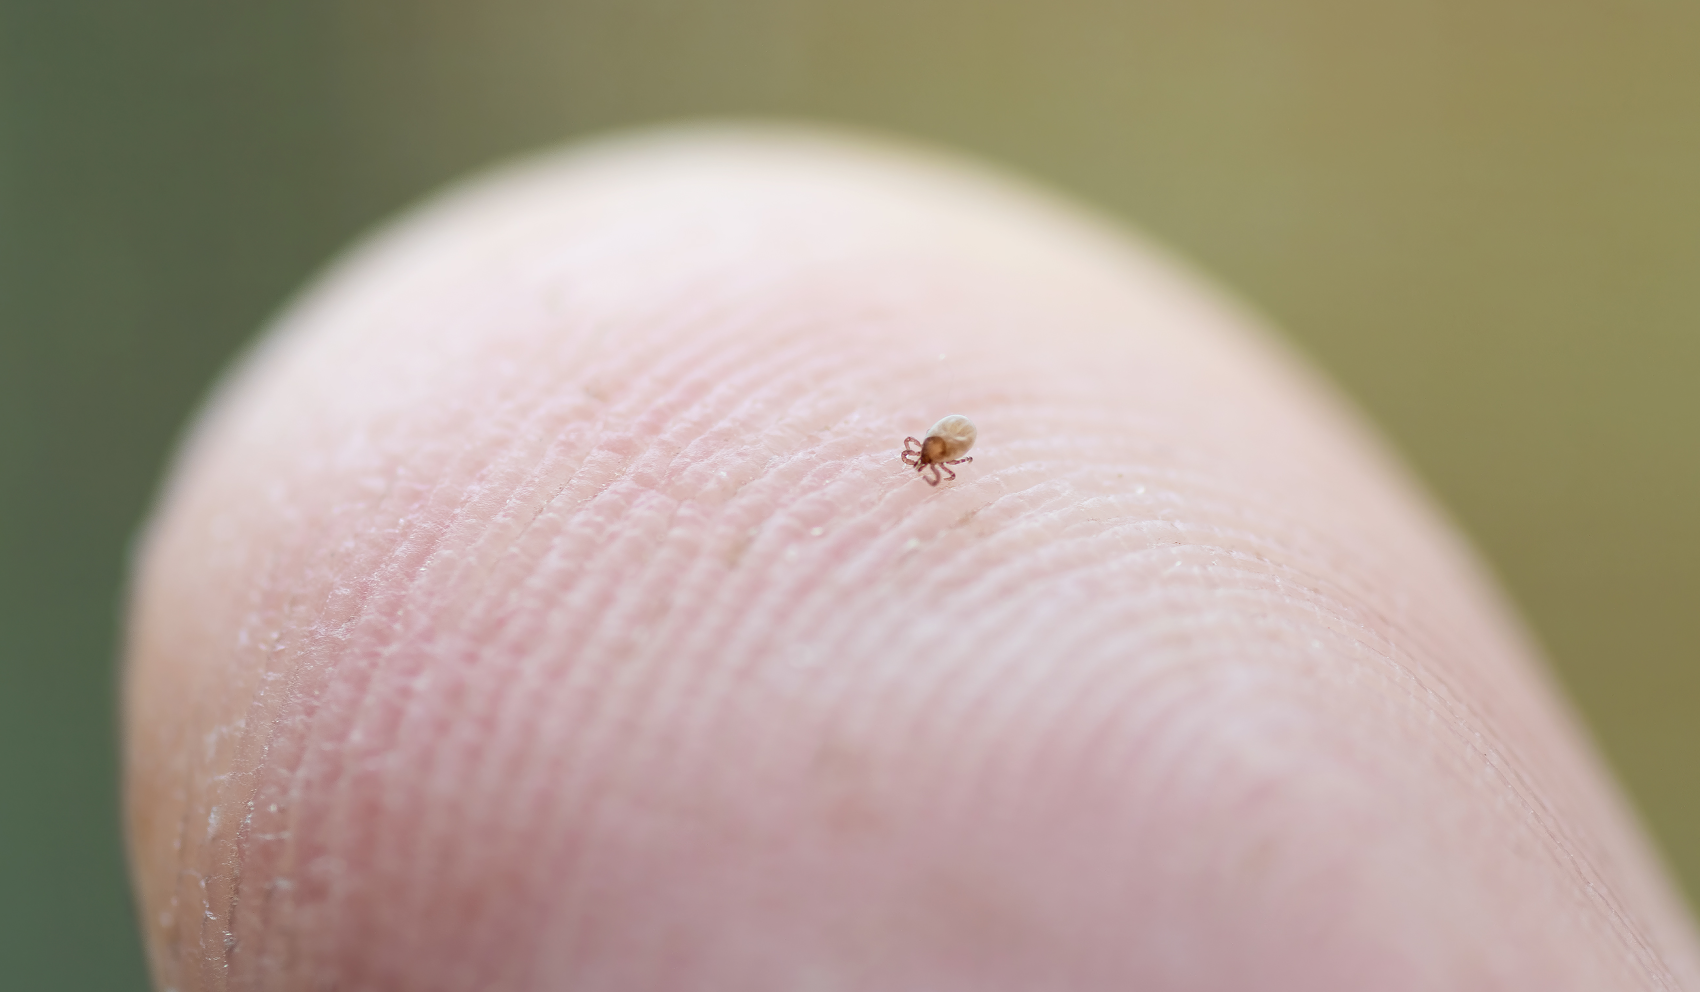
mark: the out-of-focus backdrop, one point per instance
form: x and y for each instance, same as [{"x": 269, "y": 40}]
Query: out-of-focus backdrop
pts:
[{"x": 1481, "y": 216}]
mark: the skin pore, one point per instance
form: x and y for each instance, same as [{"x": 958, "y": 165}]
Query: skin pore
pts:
[{"x": 545, "y": 604}]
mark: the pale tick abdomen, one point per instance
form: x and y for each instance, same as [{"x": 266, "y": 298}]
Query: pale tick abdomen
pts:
[{"x": 948, "y": 440}]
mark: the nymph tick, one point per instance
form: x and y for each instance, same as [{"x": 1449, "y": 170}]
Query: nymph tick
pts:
[{"x": 946, "y": 444}]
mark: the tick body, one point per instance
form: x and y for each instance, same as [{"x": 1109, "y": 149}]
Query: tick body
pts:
[{"x": 947, "y": 444}]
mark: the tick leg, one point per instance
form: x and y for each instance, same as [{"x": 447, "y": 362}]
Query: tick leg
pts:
[
  {"x": 961, "y": 461},
  {"x": 946, "y": 467},
  {"x": 907, "y": 451},
  {"x": 935, "y": 479}
]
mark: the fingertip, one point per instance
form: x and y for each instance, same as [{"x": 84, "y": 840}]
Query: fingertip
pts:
[{"x": 550, "y": 603}]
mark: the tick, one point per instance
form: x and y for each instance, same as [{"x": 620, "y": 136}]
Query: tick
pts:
[{"x": 946, "y": 444}]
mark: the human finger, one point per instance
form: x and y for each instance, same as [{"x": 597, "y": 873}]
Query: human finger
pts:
[{"x": 545, "y": 604}]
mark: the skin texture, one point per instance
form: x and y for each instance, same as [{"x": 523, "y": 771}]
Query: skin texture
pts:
[{"x": 544, "y": 605}]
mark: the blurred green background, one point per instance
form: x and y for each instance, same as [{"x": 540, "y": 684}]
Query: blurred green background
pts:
[{"x": 1482, "y": 216}]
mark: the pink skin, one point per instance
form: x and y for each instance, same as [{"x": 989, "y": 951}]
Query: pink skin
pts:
[{"x": 540, "y": 608}]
